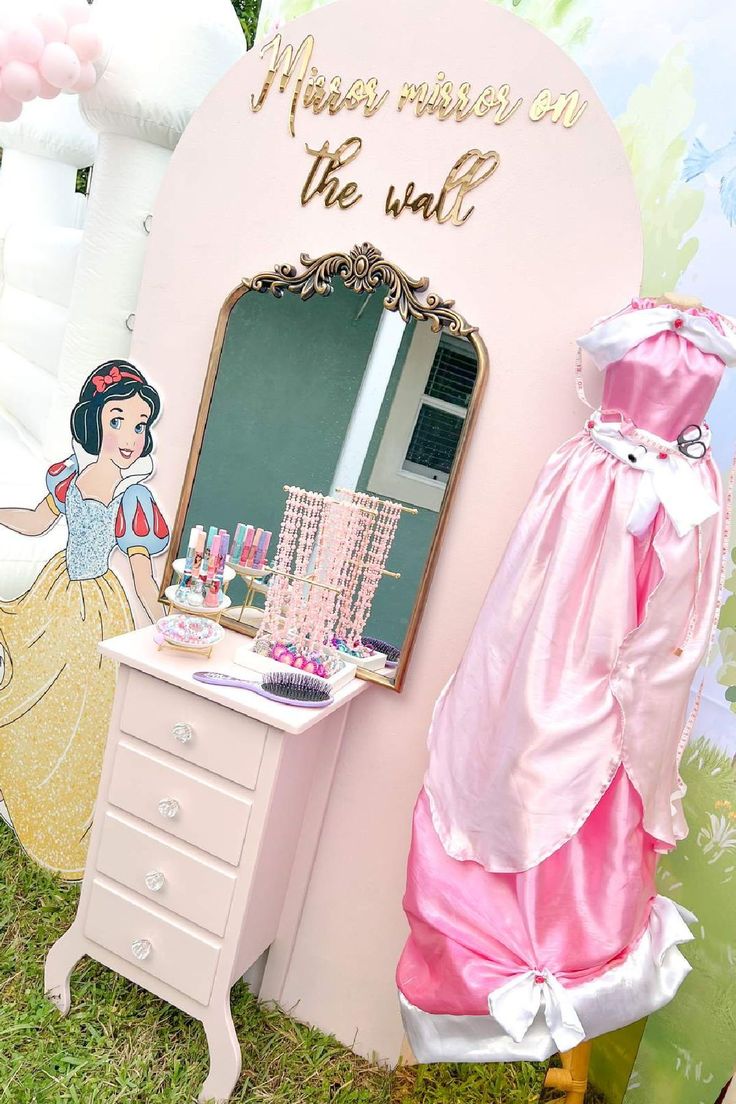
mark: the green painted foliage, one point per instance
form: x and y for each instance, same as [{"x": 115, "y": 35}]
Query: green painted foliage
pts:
[
  {"x": 686, "y": 1054},
  {"x": 727, "y": 640},
  {"x": 653, "y": 128},
  {"x": 565, "y": 21}
]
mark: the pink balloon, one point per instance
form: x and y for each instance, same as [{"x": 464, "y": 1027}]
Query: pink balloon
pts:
[
  {"x": 87, "y": 78},
  {"x": 52, "y": 26},
  {"x": 25, "y": 43},
  {"x": 60, "y": 65},
  {"x": 21, "y": 81},
  {"x": 9, "y": 109},
  {"x": 75, "y": 11},
  {"x": 85, "y": 41},
  {"x": 47, "y": 91}
]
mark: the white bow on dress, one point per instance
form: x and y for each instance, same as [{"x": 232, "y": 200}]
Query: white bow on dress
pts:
[
  {"x": 668, "y": 480},
  {"x": 516, "y": 1004}
]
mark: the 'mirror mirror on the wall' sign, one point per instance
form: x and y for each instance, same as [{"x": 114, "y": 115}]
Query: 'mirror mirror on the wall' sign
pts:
[{"x": 343, "y": 373}]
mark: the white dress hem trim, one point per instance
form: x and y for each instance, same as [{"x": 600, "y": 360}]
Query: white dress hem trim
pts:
[{"x": 645, "y": 981}]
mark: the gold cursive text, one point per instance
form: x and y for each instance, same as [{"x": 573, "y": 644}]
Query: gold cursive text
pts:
[
  {"x": 323, "y": 180},
  {"x": 442, "y": 100},
  {"x": 469, "y": 171},
  {"x": 316, "y": 92},
  {"x": 566, "y": 106}
]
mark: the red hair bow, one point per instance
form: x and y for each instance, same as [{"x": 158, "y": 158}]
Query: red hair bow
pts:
[{"x": 101, "y": 383}]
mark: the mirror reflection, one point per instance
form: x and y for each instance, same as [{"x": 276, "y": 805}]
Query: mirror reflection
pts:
[{"x": 332, "y": 393}]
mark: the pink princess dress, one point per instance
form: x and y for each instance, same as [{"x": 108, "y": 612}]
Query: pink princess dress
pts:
[{"x": 553, "y": 778}]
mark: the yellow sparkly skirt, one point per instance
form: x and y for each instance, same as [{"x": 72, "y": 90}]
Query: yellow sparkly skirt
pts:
[{"x": 56, "y": 694}]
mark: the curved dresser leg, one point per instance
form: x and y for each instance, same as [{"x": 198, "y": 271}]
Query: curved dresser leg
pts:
[
  {"x": 225, "y": 1058},
  {"x": 60, "y": 961}
]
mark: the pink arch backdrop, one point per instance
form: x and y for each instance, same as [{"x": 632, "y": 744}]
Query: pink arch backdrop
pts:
[{"x": 554, "y": 242}]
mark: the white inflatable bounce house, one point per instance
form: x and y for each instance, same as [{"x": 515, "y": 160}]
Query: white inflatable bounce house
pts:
[
  {"x": 110, "y": 87},
  {"x": 71, "y": 264}
]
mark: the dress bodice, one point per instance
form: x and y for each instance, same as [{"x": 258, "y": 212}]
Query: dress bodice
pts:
[
  {"x": 663, "y": 365},
  {"x": 91, "y": 534},
  {"x": 663, "y": 384}
]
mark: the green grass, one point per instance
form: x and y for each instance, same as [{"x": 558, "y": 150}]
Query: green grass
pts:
[{"x": 120, "y": 1045}]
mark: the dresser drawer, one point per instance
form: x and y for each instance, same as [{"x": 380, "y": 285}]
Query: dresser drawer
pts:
[
  {"x": 188, "y": 883},
  {"x": 202, "y": 809},
  {"x": 208, "y": 735},
  {"x": 166, "y": 949}
]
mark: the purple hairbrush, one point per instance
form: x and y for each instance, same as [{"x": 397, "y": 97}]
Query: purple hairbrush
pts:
[{"x": 287, "y": 688}]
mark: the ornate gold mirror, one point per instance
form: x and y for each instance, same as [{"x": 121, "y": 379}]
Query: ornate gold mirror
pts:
[{"x": 343, "y": 373}]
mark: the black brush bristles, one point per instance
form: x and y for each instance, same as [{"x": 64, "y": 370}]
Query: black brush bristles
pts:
[
  {"x": 295, "y": 686},
  {"x": 392, "y": 654}
]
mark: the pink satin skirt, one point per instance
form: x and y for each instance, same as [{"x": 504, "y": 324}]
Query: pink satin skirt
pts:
[
  {"x": 576, "y": 914},
  {"x": 511, "y": 966}
]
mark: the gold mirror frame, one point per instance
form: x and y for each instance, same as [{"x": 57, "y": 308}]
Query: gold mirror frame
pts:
[{"x": 364, "y": 270}]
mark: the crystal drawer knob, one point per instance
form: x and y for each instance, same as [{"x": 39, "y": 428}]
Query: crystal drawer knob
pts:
[
  {"x": 182, "y": 732},
  {"x": 155, "y": 881},
  {"x": 168, "y": 807},
  {"x": 141, "y": 949}
]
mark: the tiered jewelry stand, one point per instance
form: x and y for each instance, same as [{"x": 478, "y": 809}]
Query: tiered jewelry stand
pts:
[{"x": 211, "y": 613}]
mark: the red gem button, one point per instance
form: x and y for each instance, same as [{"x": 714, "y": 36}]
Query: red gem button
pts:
[
  {"x": 678, "y": 323},
  {"x": 540, "y": 979},
  {"x": 662, "y": 455},
  {"x": 591, "y": 425}
]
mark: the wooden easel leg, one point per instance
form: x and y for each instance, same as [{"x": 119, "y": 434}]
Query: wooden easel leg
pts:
[{"x": 572, "y": 1079}]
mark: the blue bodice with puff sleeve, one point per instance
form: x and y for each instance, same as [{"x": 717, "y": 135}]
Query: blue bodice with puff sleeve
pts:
[{"x": 132, "y": 521}]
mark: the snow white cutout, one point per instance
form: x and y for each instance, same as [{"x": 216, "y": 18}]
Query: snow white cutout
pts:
[{"x": 56, "y": 690}]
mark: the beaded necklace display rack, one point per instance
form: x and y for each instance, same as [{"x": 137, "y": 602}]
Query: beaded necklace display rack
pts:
[
  {"x": 318, "y": 541},
  {"x": 369, "y": 566},
  {"x": 331, "y": 556},
  {"x": 339, "y": 541}
]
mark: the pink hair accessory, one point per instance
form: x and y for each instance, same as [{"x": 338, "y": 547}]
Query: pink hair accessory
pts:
[{"x": 101, "y": 383}]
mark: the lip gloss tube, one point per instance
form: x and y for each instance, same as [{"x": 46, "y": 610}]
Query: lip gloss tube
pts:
[
  {"x": 238, "y": 539},
  {"x": 254, "y": 547},
  {"x": 214, "y": 593},
  {"x": 210, "y": 593},
  {"x": 262, "y": 550},
  {"x": 247, "y": 544},
  {"x": 193, "y": 595},
  {"x": 186, "y": 577}
]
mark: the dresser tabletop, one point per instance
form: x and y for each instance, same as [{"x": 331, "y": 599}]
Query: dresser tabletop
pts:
[{"x": 139, "y": 651}]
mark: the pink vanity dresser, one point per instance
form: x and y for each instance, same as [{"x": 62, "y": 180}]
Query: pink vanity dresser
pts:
[{"x": 207, "y": 822}]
